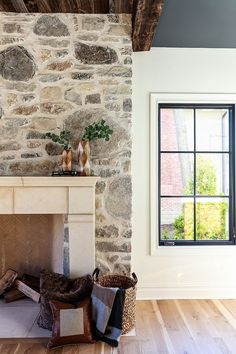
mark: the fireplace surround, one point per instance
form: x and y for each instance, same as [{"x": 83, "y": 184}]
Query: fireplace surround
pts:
[
  {"x": 70, "y": 197},
  {"x": 68, "y": 202}
]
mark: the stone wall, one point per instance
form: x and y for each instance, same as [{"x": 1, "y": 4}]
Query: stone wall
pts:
[{"x": 65, "y": 71}]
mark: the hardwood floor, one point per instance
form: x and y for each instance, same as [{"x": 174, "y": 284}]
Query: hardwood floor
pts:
[{"x": 163, "y": 327}]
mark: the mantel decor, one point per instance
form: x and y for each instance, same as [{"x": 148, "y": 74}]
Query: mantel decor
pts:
[
  {"x": 94, "y": 131},
  {"x": 63, "y": 139}
]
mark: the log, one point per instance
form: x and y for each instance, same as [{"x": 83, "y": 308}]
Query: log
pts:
[
  {"x": 27, "y": 290},
  {"x": 13, "y": 294},
  {"x": 32, "y": 281},
  {"x": 7, "y": 280}
]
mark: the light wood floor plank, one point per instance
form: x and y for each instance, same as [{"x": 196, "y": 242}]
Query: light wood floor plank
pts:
[
  {"x": 8, "y": 348},
  {"x": 163, "y": 327},
  {"x": 227, "y": 310},
  {"x": 198, "y": 324},
  {"x": 219, "y": 328},
  {"x": 151, "y": 329}
]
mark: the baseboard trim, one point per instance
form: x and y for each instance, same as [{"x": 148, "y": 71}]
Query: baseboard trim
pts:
[{"x": 168, "y": 293}]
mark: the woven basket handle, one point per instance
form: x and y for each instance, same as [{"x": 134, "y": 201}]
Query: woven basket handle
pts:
[
  {"x": 134, "y": 276},
  {"x": 95, "y": 274}
]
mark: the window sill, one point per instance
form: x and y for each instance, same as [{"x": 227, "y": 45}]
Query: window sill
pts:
[{"x": 197, "y": 250}]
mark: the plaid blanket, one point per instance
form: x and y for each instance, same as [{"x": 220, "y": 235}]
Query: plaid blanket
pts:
[{"x": 107, "y": 311}]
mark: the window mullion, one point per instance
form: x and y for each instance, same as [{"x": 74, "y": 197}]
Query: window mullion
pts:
[{"x": 194, "y": 174}]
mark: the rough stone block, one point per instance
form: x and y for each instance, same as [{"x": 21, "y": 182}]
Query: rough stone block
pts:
[
  {"x": 93, "y": 54},
  {"x": 51, "y": 93},
  {"x": 113, "y": 107},
  {"x": 50, "y": 26},
  {"x": 113, "y": 246},
  {"x": 28, "y": 155},
  {"x": 107, "y": 231},
  {"x": 55, "y": 108},
  {"x": 93, "y": 23},
  {"x": 26, "y": 110},
  {"x": 73, "y": 96},
  {"x": 53, "y": 149},
  {"x": 93, "y": 99},
  {"x": 17, "y": 64},
  {"x": 127, "y": 105},
  {"x": 12, "y": 145},
  {"x": 60, "y": 66},
  {"x": 81, "y": 76},
  {"x": 118, "y": 201},
  {"x": 100, "y": 187}
]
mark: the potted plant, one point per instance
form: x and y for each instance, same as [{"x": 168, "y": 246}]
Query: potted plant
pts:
[{"x": 94, "y": 131}]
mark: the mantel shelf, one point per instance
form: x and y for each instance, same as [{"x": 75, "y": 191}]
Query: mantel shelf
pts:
[{"x": 41, "y": 181}]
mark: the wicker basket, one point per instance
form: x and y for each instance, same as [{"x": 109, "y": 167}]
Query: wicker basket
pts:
[{"x": 129, "y": 285}]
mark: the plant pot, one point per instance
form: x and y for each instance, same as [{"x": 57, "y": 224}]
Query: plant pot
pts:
[
  {"x": 67, "y": 160},
  {"x": 84, "y": 158}
]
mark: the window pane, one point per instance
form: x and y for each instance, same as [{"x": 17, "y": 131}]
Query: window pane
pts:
[
  {"x": 212, "y": 130},
  {"x": 176, "y": 174},
  {"x": 212, "y": 174},
  {"x": 177, "y": 129},
  {"x": 212, "y": 219},
  {"x": 177, "y": 219}
]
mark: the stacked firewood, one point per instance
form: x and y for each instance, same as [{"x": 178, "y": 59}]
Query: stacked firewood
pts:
[{"x": 13, "y": 288}]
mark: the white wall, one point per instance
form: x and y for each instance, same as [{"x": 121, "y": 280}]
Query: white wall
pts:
[{"x": 201, "y": 272}]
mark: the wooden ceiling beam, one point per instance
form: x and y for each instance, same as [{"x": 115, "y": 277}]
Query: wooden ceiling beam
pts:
[
  {"x": 79, "y": 6},
  {"x": 101, "y": 6},
  {"x": 121, "y": 6},
  {"x": 41, "y": 6},
  {"x": 18, "y": 5},
  {"x": 146, "y": 16},
  {"x": 6, "y": 6}
]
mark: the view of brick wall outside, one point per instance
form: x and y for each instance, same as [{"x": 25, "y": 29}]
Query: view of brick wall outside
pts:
[
  {"x": 67, "y": 71},
  {"x": 171, "y": 178}
]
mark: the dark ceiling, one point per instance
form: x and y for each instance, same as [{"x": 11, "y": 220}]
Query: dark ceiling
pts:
[{"x": 197, "y": 23}]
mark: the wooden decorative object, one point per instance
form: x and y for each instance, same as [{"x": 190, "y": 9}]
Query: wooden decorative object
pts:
[
  {"x": 7, "y": 280},
  {"x": 67, "y": 160},
  {"x": 84, "y": 158},
  {"x": 13, "y": 294}
]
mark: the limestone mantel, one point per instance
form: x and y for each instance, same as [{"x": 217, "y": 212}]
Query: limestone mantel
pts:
[{"x": 71, "y": 196}]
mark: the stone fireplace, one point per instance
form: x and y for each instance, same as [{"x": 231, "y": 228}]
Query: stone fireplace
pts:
[
  {"x": 36, "y": 215},
  {"x": 75, "y": 69}
]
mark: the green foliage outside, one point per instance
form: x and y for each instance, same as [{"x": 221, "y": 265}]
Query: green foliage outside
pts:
[
  {"x": 205, "y": 178},
  {"x": 210, "y": 217}
]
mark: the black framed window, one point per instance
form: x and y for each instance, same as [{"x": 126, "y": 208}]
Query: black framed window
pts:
[{"x": 196, "y": 174}]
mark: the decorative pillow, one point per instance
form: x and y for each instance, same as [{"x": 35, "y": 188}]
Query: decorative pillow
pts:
[
  {"x": 71, "y": 323},
  {"x": 54, "y": 286}
]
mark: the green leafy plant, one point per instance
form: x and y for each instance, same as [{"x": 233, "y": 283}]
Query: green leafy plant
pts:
[
  {"x": 205, "y": 178},
  {"x": 210, "y": 217},
  {"x": 98, "y": 130},
  {"x": 63, "y": 138}
]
